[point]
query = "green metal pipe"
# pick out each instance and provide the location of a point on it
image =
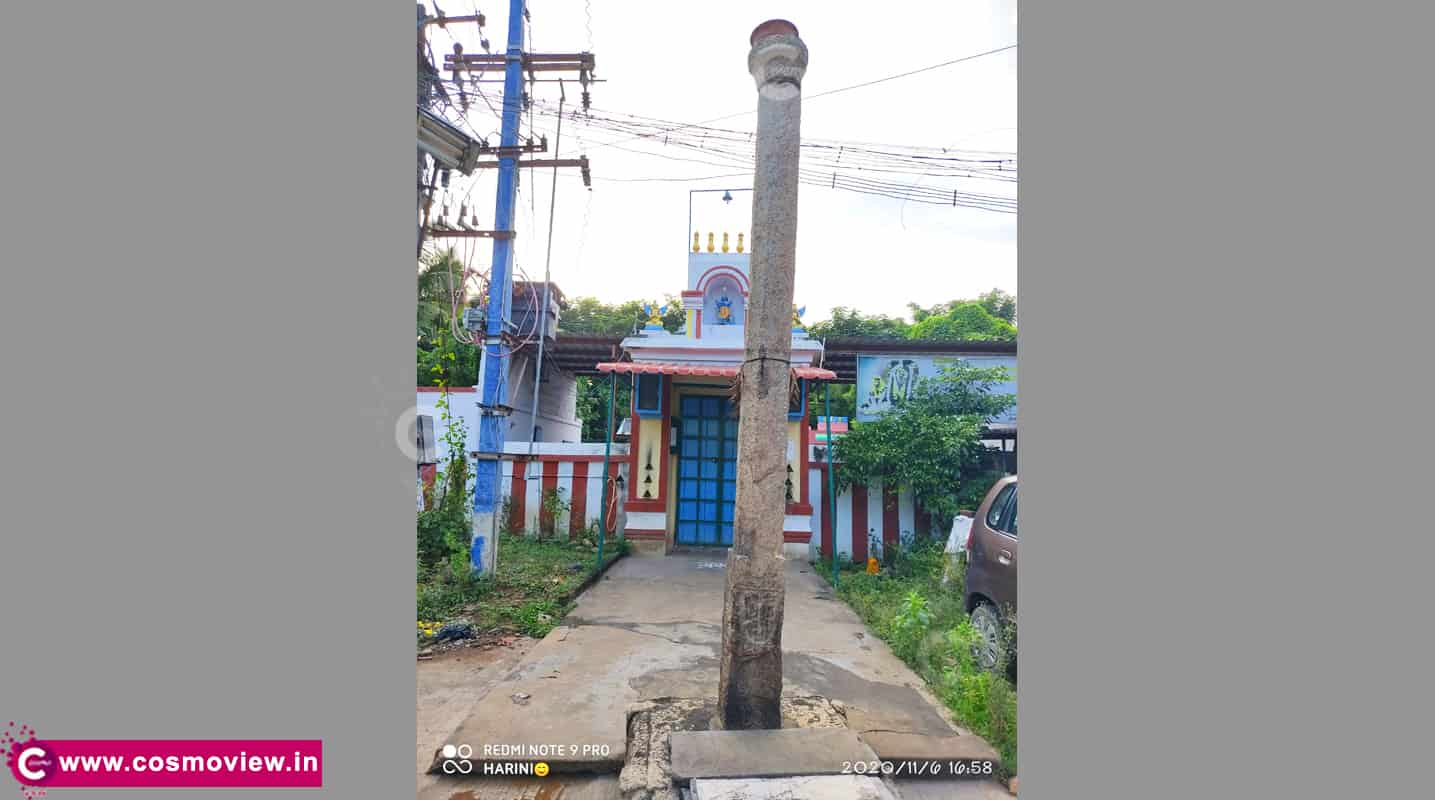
(831, 481)
(607, 452)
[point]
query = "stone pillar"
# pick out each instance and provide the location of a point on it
(750, 687)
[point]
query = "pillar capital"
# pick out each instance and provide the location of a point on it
(777, 55)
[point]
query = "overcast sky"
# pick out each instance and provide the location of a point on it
(688, 62)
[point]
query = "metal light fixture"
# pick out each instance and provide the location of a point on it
(726, 198)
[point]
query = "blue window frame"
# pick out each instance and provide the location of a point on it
(795, 410)
(648, 395)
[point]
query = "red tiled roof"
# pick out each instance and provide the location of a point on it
(702, 370)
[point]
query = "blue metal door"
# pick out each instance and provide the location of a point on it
(707, 472)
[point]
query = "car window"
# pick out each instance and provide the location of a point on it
(994, 514)
(1010, 521)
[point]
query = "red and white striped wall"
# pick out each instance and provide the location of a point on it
(867, 517)
(574, 472)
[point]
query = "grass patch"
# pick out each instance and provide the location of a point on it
(926, 626)
(531, 592)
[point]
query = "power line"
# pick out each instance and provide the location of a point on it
(596, 116)
(842, 89)
(835, 176)
(905, 74)
(864, 157)
(672, 180)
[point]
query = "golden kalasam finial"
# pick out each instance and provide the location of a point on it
(724, 241)
(710, 241)
(739, 241)
(696, 247)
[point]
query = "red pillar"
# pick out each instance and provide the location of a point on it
(891, 520)
(859, 523)
(517, 497)
(550, 484)
(579, 517)
(428, 473)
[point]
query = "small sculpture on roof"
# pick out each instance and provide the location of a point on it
(797, 318)
(655, 315)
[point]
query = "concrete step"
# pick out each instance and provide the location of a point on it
(815, 787)
(950, 789)
(898, 746)
(765, 754)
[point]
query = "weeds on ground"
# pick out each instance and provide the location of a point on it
(530, 593)
(926, 625)
(554, 507)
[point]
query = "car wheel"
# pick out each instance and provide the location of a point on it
(989, 626)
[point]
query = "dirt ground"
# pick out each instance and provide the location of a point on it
(450, 682)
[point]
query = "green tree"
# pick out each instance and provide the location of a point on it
(589, 316)
(930, 444)
(989, 317)
(999, 304)
(593, 404)
(919, 313)
(455, 361)
(674, 318)
(844, 402)
(960, 322)
(440, 276)
(851, 322)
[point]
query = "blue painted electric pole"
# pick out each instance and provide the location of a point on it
(493, 377)
(493, 405)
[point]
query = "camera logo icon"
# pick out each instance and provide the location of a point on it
(456, 759)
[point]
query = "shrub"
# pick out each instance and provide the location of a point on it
(537, 617)
(909, 627)
(931, 442)
(984, 701)
(432, 537)
(554, 507)
(926, 625)
(446, 592)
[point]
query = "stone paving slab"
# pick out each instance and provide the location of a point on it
(566, 691)
(814, 787)
(893, 746)
(567, 787)
(949, 789)
(764, 754)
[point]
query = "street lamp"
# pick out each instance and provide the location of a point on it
(726, 198)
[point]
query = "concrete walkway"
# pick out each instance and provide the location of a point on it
(651, 629)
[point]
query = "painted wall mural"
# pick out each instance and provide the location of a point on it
(887, 379)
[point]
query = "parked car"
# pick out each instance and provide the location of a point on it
(991, 572)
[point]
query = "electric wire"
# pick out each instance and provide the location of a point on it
(847, 88)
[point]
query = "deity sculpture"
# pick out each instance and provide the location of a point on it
(724, 310)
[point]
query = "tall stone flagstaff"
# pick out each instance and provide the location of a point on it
(750, 686)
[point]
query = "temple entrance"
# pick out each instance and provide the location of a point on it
(707, 472)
